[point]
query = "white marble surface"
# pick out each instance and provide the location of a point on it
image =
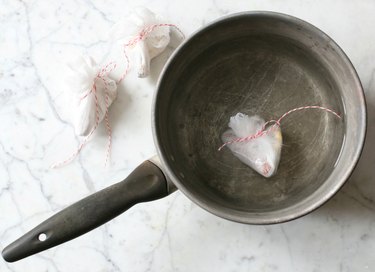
(171, 234)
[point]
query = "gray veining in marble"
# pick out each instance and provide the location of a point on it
(171, 234)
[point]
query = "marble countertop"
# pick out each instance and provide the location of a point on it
(171, 234)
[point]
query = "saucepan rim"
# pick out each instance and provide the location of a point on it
(270, 218)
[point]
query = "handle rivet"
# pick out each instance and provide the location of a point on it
(42, 237)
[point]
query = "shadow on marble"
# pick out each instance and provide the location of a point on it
(159, 62)
(120, 107)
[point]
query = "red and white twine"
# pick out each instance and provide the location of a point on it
(101, 75)
(140, 37)
(277, 123)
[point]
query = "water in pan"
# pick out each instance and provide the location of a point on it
(259, 75)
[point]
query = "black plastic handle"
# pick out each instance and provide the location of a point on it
(145, 183)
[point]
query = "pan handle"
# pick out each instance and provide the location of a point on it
(146, 183)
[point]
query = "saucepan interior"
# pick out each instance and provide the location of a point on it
(266, 64)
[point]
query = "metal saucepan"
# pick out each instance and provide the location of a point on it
(253, 62)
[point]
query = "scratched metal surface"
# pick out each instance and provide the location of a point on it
(264, 68)
(264, 76)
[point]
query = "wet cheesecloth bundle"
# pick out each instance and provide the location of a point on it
(258, 143)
